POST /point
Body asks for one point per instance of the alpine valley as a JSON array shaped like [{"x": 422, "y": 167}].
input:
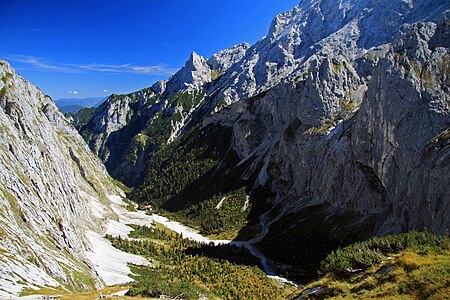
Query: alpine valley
[{"x": 281, "y": 157}]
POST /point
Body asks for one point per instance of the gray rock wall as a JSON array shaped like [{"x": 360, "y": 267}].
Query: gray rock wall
[{"x": 52, "y": 190}]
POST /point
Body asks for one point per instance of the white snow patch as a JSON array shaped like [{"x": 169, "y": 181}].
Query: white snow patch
[
  {"x": 187, "y": 232},
  {"x": 135, "y": 217},
  {"x": 332, "y": 131},
  {"x": 129, "y": 217},
  {"x": 247, "y": 201},
  {"x": 115, "y": 228},
  {"x": 119, "y": 294},
  {"x": 109, "y": 262},
  {"x": 284, "y": 280},
  {"x": 116, "y": 199},
  {"x": 219, "y": 205}
]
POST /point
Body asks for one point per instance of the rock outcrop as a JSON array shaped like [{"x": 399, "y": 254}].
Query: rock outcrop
[{"x": 224, "y": 59}]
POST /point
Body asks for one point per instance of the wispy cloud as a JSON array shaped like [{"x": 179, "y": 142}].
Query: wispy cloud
[
  {"x": 128, "y": 68},
  {"x": 39, "y": 64},
  {"x": 73, "y": 92},
  {"x": 46, "y": 65}
]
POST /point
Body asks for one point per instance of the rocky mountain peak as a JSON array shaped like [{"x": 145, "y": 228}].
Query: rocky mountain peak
[
  {"x": 159, "y": 87},
  {"x": 195, "y": 73}
]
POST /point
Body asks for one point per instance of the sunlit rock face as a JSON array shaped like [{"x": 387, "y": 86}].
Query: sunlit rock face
[{"x": 53, "y": 189}]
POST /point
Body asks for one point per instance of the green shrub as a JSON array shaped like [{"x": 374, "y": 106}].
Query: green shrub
[
  {"x": 362, "y": 255},
  {"x": 3, "y": 92}
]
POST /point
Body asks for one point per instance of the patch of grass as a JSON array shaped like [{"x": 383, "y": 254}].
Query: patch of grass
[
  {"x": 157, "y": 232},
  {"x": 215, "y": 74},
  {"x": 3, "y": 91},
  {"x": 131, "y": 206},
  {"x": 323, "y": 128},
  {"x": 336, "y": 68},
  {"x": 6, "y": 77},
  {"x": 42, "y": 291},
  {"x": 14, "y": 204},
  {"x": 441, "y": 141},
  {"x": 67, "y": 295},
  {"x": 122, "y": 186},
  {"x": 369, "y": 253},
  {"x": 84, "y": 280},
  {"x": 418, "y": 267}
]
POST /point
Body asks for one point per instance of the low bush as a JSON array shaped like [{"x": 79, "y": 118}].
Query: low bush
[{"x": 360, "y": 256}]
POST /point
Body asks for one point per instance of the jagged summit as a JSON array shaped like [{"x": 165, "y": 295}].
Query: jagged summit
[{"x": 195, "y": 73}]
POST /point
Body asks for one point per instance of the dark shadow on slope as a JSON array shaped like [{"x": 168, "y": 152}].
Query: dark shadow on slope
[{"x": 303, "y": 239}]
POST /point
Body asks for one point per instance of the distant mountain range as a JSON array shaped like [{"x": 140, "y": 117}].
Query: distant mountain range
[{"x": 73, "y": 105}]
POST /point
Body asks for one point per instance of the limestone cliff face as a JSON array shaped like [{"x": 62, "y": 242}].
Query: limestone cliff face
[
  {"x": 224, "y": 59},
  {"x": 52, "y": 190}
]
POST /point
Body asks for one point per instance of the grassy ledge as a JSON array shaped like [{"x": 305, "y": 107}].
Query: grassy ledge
[{"x": 414, "y": 265}]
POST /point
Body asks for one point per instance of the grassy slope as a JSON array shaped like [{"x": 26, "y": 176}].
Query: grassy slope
[
  {"x": 66, "y": 295},
  {"x": 408, "y": 266}
]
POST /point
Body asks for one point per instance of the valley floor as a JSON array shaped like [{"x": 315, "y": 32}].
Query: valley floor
[{"x": 168, "y": 258}]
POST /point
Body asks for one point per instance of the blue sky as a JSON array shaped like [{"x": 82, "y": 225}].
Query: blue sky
[{"x": 94, "y": 48}]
